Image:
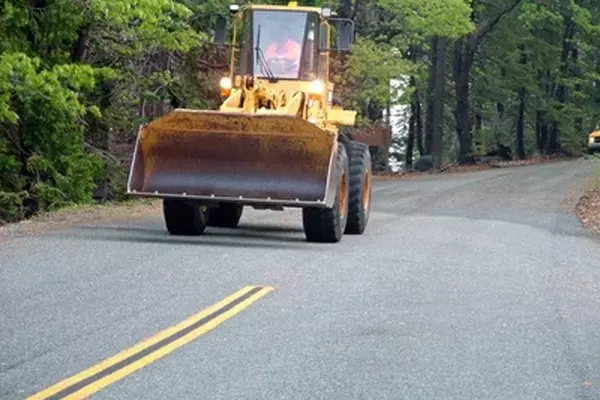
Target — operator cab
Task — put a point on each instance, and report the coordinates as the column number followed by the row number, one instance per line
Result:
column 280, row 44
column 285, row 43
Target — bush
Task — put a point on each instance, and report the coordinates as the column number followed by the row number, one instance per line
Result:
column 10, row 207
column 41, row 128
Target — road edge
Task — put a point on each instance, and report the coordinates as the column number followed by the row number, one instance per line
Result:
column 80, row 214
column 72, row 216
column 455, row 169
column 587, row 208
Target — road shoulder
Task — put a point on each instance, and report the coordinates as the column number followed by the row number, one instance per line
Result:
column 588, row 209
column 72, row 216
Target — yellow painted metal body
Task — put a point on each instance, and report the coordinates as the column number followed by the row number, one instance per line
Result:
column 287, row 97
column 594, row 141
column 269, row 143
column 253, row 159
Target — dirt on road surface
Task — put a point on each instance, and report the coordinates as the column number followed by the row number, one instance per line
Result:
column 476, row 285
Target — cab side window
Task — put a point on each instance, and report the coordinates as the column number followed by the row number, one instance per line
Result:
column 244, row 40
column 311, row 48
column 322, row 51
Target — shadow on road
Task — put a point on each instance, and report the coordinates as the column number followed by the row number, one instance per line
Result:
column 271, row 228
column 245, row 236
column 247, row 229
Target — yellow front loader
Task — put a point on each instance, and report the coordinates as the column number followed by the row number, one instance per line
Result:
column 273, row 143
column 594, row 140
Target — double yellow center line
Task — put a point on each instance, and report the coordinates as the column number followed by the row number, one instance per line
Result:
column 147, row 351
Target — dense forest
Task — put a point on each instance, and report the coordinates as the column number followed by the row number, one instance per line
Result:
column 77, row 77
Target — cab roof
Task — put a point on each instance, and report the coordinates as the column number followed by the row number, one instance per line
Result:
column 291, row 6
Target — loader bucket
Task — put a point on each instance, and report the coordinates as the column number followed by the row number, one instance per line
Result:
column 250, row 159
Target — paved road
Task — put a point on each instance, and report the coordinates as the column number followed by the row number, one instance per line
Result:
column 480, row 285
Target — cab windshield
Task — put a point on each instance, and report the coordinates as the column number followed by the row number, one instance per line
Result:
column 279, row 44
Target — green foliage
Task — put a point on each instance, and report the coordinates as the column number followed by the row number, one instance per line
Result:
column 425, row 19
column 42, row 135
column 140, row 25
column 374, row 66
column 70, row 72
column 548, row 50
column 77, row 75
column 10, row 207
column 387, row 30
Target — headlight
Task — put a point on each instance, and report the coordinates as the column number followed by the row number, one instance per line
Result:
column 316, row 87
column 225, row 83
column 591, row 139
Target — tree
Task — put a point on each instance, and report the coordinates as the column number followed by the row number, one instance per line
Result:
column 486, row 17
column 65, row 67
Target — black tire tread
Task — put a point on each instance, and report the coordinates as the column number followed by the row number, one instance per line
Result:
column 324, row 225
column 226, row 215
column 360, row 161
column 183, row 218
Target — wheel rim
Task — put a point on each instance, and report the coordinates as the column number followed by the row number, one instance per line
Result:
column 366, row 192
column 343, row 195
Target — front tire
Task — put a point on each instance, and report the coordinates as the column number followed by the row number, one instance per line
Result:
column 359, row 199
column 327, row 225
column 226, row 215
column 184, row 218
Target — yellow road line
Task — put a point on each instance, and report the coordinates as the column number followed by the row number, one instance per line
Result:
column 106, row 372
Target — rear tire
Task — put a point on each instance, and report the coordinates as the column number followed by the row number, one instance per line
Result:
column 359, row 199
column 226, row 215
column 327, row 225
column 183, row 218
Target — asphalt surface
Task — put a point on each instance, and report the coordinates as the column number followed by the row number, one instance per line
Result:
column 472, row 286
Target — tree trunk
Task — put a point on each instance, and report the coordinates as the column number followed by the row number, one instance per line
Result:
column 542, row 129
column 82, row 44
column 520, row 134
column 430, row 98
column 478, row 135
column 415, row 125
column 560, row 92
column 551, row 145
column 578, row 87
column 538, row 130
column 500, row 108
column 412, row 127
column 462, row 62
column 435, row 101
column 419, row 123
column 438, row 110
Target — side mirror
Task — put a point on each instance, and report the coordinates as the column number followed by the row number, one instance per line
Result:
column 220, row 30
column 344, row 29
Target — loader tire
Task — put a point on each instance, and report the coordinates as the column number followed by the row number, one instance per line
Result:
column 359, row 198
column 327, row 225
column 184, row 218
column 226, row 215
